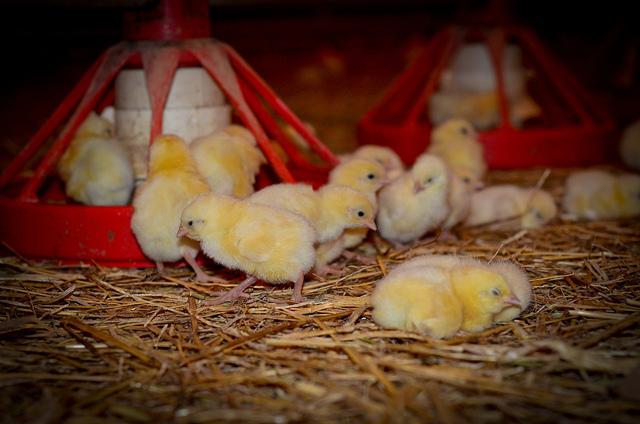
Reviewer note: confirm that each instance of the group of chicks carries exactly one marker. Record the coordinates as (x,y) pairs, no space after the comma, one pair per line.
(201,197)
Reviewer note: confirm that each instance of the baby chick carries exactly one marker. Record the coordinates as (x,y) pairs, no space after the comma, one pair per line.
(456,142)
(483,293)
(515,277)
(459,199)
(438,301)
(416,202)
(365,176)
(331,209)
(96,168)
(598,194)
(531,207)
(481,109)
(383,155)
(630,146)
(272,244)
(229,160)
(417,299)
(171,184)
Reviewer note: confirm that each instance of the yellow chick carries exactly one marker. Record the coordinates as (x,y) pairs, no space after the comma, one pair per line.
(272,244)
(598,194)
(365,176)
(96,168)
(532,208)
(229,160)
(456,142)
(438,301)
(519,285)
(630,146)
(171,184)
(418,299)
(416,202)
(482,109)
(483,293)
(383,155)
(459,200)
(331,209)
(515,277)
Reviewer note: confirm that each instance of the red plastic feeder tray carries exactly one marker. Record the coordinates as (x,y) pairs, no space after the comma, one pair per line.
(572,129)
(37,222)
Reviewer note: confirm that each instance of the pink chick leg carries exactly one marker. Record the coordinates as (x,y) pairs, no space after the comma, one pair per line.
(297,289)
(360,258)
(160,267)
(232,294)
(325,270)
(201,276)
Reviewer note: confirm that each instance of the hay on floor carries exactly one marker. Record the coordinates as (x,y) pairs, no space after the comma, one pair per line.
(90,344)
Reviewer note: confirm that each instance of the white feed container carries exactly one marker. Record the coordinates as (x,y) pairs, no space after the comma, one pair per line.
(471,70)
(195,107)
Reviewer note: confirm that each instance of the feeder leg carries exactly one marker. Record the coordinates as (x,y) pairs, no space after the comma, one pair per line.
(232,294)
(297,289)
(201,276)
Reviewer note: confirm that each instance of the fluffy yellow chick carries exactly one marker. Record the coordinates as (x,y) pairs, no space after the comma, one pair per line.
(416,202)
(96,168)
(417,299)
(331,209)
(598,194)
(459,200)
(480,109)
(383,155)
(532,208)
(483,293)
(171,184)
(630,146)
(229,160)
(438,301)
(456,142)
(366,176)
(515,277)
(272,244)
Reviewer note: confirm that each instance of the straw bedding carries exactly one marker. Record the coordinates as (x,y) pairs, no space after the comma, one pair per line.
(91,344)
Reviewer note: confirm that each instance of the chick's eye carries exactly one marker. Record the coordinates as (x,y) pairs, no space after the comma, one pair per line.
(496,291)
(466,180)
(464,130)
(428,180)
(190,223)
(371,176)
(360,214)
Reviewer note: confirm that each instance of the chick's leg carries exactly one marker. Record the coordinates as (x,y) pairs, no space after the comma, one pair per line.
(232,294)
(201,276)
(360,258)
(160,267)
(297,289)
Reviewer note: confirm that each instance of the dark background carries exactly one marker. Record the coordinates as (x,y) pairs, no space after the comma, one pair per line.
(295,46)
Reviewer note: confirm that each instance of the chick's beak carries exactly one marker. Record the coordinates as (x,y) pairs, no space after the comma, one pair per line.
(417,187)
(372,225)
(181,232)
(513,301)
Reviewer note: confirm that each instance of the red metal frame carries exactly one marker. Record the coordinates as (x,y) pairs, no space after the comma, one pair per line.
(400,119)
(35,224)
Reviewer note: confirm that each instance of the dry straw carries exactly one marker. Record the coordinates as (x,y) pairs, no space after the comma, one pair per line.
(91,344)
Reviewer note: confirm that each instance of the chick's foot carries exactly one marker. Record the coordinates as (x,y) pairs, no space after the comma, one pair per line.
(232,294)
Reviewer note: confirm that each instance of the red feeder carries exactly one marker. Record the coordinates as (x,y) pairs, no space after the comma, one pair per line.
(571,130)
(37,222)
